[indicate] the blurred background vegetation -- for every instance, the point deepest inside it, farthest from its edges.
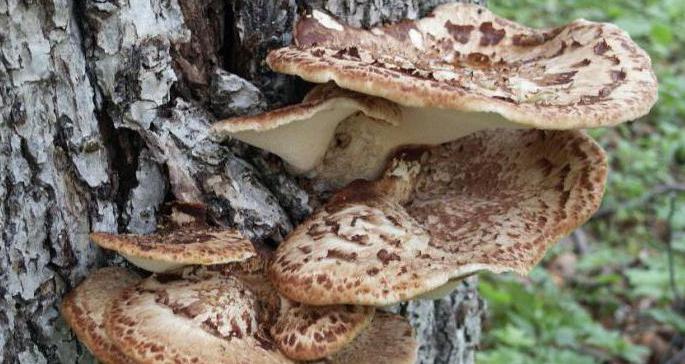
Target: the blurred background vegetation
(613, 291)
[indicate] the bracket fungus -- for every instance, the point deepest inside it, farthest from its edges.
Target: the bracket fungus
(493, 200)
(84, 310)
(172, 249)
(226, 313)
(459, 70)
(182, 239)
(213, 320)
(455, 138)
(301, 332)
(462, 57)
(301, 133)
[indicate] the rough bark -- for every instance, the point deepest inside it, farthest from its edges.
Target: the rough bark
(104, 108)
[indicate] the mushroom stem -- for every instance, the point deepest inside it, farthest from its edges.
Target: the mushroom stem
(368, 144)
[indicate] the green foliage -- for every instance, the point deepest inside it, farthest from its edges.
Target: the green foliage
(540, 322)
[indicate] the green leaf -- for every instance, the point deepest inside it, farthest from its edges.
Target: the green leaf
(668, 317)
(661, 34)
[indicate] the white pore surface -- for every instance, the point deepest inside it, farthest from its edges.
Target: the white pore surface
(301, 143)
(151, 265)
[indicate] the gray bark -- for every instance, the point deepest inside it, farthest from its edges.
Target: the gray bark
(104, 108)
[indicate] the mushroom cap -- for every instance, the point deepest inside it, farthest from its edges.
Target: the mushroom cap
(84, 311)
(303, 332)
(173, 248)
(463, 57)
(389, 339)
(300, 332)
(301, 133)
(213, 320)
(494, 200)
(309, 332)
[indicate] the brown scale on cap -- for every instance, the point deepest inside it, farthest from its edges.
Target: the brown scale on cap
(463, 57)
(300, 331)
(492, 200)
(305, 332)
(84, 311)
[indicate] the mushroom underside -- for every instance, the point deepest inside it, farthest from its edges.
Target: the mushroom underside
(300, 133)
(360, 148)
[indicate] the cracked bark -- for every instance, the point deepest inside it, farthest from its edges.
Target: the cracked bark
(104, 107)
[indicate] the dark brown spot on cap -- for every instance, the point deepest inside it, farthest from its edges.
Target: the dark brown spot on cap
(491, 36)
(460, 33)
(601, 47)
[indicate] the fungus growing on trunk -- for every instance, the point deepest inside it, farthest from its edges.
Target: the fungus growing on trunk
(167, 250)
(494, 200)
(84, 310)
(462, 57)
(213, 320)
(300, 134)
(459, 70)
(182, 239)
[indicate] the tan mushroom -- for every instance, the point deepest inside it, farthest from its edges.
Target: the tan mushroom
(494, 200)
(227, 309)
(300, 134)
(309, 332)
(463, 69)
(84, 311)
(171, 249)
(301, 332)
(213, 320)
(182, 238)
(389, 339)
(463, 57)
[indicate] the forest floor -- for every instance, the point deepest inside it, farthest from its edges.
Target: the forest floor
(613, 291)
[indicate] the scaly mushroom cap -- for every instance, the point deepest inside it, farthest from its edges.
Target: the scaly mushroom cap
(300, 332)
(308, 333)
(174, 248)
(493, 200)
(304, 332)
(213, 320)
(463, 57)
(389, 339)
(84, 311)
(301, 133)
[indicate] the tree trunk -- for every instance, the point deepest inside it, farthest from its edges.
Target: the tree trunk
(104, 109)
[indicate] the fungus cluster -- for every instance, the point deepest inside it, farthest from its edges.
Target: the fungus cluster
(454, 146)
